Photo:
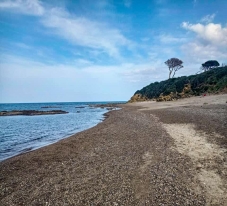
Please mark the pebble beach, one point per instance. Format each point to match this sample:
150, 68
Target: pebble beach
148, 153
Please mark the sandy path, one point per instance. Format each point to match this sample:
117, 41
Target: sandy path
198, 127
190, 142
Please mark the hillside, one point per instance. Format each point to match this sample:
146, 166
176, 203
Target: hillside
212, 81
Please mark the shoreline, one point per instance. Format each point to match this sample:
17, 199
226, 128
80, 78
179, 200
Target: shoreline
130, 158
32, 143
32, 149
105, 116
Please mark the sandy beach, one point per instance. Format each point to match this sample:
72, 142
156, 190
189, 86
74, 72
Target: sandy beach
147, 153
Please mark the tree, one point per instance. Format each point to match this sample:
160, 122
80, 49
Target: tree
174, 65
208, 65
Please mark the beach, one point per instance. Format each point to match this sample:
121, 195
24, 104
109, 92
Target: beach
147, 153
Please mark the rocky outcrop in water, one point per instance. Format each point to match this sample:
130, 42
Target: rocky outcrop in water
31, 112
109, 106
50, 107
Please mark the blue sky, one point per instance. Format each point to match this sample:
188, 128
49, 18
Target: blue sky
103, 50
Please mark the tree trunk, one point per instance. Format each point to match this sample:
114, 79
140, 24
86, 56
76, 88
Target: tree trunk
170, 72
174, 73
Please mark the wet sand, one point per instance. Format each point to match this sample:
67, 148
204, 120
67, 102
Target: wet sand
140, 155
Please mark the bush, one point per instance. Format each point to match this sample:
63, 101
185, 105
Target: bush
210, 81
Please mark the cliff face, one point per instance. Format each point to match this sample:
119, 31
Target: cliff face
213, 81
186, 92
138, 98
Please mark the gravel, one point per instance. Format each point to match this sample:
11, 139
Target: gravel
126, 160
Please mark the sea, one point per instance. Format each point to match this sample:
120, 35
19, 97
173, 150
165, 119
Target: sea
21, 134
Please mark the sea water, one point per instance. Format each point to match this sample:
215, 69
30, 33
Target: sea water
20, 134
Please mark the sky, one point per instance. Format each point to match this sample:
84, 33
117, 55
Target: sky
103, 50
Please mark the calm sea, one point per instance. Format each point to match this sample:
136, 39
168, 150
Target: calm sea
19, 134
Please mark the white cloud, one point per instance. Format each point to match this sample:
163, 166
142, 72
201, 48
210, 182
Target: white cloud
85, 32
145, 72
72, 81
77, 30
81, 61
142, 74
210, 42
22, 45
208, 18
171, 39
69, 82
29, 7
198, 53
212, 33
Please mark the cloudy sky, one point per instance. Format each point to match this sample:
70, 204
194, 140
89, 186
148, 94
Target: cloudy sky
103, 50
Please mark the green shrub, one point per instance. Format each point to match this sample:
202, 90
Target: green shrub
210, 81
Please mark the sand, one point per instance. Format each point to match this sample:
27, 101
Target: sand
192, 101
171, 153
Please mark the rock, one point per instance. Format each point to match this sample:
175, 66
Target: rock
138, 98
103, 106
50, 107
199, 166
171, 97
31, 112
186, 92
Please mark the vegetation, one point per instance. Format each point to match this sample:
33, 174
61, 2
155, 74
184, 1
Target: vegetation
174, 65
210, 65
211, 81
